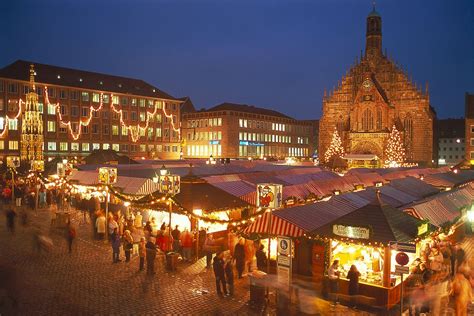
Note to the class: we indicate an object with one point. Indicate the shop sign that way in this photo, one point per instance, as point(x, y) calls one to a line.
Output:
point(403, 246)
point(269, 195)
point(402, 258)
point(13, 161)
point(422, 229)
point(402, 269)
point(283, 274)
point(284, 261)
point(169, 184)
point(247, 143)
point(284, 246)
point(37, 165)
point(284, 253)
point(107, 175)
point(351, 231)
point(214, 142)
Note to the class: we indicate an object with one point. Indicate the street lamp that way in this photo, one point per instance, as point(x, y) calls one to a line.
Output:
point(107, 176)
point(163, 171)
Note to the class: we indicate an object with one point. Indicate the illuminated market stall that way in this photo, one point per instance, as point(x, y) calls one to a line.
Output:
point(363, 238)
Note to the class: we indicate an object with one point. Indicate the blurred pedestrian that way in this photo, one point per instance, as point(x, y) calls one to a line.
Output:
point(150, 256)
point(142, 252)
point(100, 225)
point(186, 244)
point(353, 276)
point(219, 273)
point(148, 229)
point(127, 244)
point(239, 255)
point(229, 274)
point(462, 293)
point(261, 258)
point(11, 214)
point(334, 274)
point(176, 234)
point(112, 226)
point(116, 243)
point(70, 235)
point(208, 247)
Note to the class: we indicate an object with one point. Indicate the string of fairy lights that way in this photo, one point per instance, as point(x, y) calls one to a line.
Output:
point(135, 131)
point(335, 150)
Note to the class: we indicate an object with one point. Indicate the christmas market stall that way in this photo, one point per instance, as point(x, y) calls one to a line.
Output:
point(363, 238)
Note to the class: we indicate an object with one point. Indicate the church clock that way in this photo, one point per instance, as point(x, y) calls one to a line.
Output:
point(367, 84)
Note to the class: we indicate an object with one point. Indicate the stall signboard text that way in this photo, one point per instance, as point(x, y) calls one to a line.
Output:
point(107, 175)
point(13, 161)
point(284, 252)
point(269, 195)
point(37, 165)
point(402, 269)
point(403, 246)
point(351, 231)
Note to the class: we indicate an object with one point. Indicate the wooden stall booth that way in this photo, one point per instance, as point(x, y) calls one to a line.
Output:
point(362, 238)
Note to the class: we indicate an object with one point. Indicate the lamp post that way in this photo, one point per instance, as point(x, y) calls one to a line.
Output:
point(168, 185)
point(13, 162)
point(107, 176)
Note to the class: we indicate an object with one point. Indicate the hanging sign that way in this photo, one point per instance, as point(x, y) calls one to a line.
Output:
point(422, 229)
point(13, 161)
point(60, 169)
point(284, 261)
point(403, 246)
point(351, 231)
point(401, 269)
point(107, 175)
point(269, 195)
point(169, 184)
point(37, 165)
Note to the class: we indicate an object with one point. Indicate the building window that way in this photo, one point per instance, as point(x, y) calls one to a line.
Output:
point(63, 109)
point(116, 147)
point(142, 116)
point(124, 115)
point(105, 98)
point(367, 120)
point(51, 146)
point(115, 99)
point(141, 103)
point(134, 116)
point(158, 104)
point(13, 88)
point(95, 128)
point(133, 102)
point(95, 146)
point(74, 146)
point(51, 126)
point(85, 96)
point(95, 97)
point(2, 145)
point(52, 92)
point(74, 111)
point(13, 125)
point(124, 147)
point(62, 130)
point(142, 148)
point(62, 94)
point(13, 145)
point(85, 146)
point(105, 115)
point(63, 146)
point(26, 89)
point(105, 129)
point(158, 132)
point(84, 112)
point(115, 130)
point(105, 146)
point(150, 103)
point(124, 131)
point(73, 95)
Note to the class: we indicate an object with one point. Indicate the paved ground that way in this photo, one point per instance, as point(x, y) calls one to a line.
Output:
point(86, 282)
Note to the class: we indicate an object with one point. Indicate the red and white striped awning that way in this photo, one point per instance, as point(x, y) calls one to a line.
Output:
point(279, 227)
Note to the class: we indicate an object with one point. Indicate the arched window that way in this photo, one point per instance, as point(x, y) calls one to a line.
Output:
point(340, 124)
point(367, 120)
point(379, 119)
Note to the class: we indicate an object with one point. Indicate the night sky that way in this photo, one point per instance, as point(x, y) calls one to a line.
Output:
point(278, 54)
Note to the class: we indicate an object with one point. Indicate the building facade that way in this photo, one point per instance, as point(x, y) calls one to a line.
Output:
point(469, 127)
point(451, 141)
point(373, 96)
point(84, 111)
point(241, 131)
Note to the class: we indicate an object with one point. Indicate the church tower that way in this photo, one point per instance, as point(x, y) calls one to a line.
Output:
point(32, 125)
point(373, 37)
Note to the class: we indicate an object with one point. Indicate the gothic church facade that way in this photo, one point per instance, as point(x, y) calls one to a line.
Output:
point(373, 96)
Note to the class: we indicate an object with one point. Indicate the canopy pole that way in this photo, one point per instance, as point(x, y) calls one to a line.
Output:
point(387, 263)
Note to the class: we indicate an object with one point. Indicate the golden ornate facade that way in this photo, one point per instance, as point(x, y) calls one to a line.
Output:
point(374, 95)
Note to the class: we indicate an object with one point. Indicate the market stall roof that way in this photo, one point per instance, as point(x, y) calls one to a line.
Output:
point(102, 156)
point(383, 222)
point(204, 196)
point(414, 186)
point(279, 226)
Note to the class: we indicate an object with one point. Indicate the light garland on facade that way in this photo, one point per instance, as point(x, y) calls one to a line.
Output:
point(134, 130)
point(20, 101)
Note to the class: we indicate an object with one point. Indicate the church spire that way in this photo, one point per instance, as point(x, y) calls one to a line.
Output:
point(32, 78)
point(373, 38)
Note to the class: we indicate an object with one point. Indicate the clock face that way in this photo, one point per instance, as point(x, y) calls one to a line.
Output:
point(367, 84)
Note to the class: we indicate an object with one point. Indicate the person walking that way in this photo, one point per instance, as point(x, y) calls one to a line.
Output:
point(116, 243)
point(150, 257)
point(112, 225)
point(334, 274)
point(176, 234)
point(219, 273)
point(208, 248)
point(229, 275)
point(11, 214)
point(70, 235)
point(127, 244)
point(353, 276)
point(186, 244)
point(142, 253)
point(100, 226)
point(462, 292)
point(261, 258)
point(239, 256)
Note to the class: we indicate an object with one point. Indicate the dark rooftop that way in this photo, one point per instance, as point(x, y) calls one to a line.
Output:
point(451, 128)
point(48, 74)
point(248, 109)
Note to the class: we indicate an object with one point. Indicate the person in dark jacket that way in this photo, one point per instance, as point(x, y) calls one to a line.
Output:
point(239, 255)
point(261, 258)
point(353, 276)
point(150, 256)
point(116, 243)
point(11, 214)
point(229, 275)
point(219, 273)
